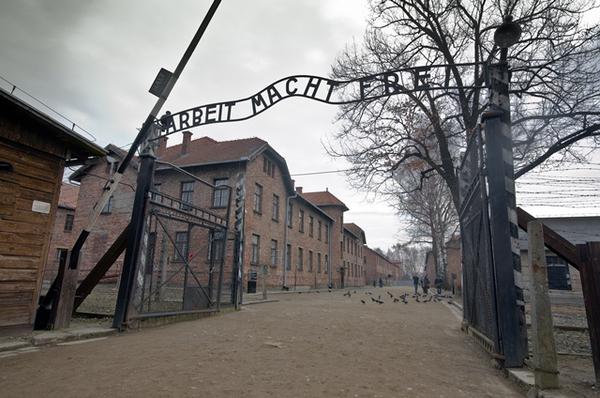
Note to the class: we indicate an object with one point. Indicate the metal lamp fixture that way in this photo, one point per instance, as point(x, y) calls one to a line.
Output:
point(508, 33)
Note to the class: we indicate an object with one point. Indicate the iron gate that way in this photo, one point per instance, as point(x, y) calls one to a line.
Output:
point(492, 295)
point(479, 285)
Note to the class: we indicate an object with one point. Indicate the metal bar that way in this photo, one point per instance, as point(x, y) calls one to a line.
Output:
point(136, 230)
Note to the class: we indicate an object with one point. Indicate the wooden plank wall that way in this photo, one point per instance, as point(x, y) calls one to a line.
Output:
point(24, 234)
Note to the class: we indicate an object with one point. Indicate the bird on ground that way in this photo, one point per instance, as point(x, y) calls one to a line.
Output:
point(363, 301)
point(373, 300)
point(354, 292)
point(417, 299)
point(390, 294)
point(429, 299)
point(396, 300)
point(329, 290)
point(347, 294)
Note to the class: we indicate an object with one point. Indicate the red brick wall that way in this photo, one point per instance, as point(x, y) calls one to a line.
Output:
point(305, 276)
point(336, 261)
point(353, 260)
point(454, 263)
point(60, 239)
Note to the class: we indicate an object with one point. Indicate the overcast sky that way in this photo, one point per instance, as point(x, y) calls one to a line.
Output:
point(94, 61)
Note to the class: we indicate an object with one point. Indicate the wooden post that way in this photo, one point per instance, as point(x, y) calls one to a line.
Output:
point(67, 284)
point(544, 348)
point(589, 269)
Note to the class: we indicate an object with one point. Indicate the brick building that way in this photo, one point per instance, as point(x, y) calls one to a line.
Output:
point(352, 255)
point(297, 237)
point(379, 266)
point(63, 235)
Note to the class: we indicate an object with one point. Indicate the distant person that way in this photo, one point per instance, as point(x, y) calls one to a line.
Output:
point(416, 283)
point(425, 284)
point(374, 283)
point(438, 284)
point(380, 282)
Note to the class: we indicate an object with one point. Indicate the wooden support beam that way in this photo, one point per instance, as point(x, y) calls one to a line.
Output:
point(590, 284)
point(554, 241)
point(101, 268)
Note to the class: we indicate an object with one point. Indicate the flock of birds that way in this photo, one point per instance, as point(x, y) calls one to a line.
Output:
point(419, 298)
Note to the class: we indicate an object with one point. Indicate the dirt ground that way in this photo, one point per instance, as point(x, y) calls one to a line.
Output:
point(305, 345)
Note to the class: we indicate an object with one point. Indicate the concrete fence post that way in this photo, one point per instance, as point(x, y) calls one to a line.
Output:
point(544, 349)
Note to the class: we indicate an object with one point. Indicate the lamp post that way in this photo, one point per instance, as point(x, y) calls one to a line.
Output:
point(512, 328)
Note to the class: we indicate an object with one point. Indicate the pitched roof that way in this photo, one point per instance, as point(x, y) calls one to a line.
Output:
point(324, 198)
point(314, 206)
point(111, 150)
point(205, 150)
point(68, 196)
point(80, 148)
point(356, 231)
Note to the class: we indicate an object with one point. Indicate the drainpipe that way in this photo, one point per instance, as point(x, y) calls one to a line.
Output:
point(329, 238)
point(285, 237)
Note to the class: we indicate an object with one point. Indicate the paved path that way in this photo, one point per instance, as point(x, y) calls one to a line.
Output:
point(305, 345)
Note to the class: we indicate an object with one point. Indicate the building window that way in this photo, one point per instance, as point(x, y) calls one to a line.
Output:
point(181, 246)
point(221, 192)
point(255, 249)
point(156, 189)
point(326, 268)
point(268, 167)
point(273, 252)
point(311, 226)
point(258, 191)
point(275, 215)
point(310, 261)
point(319, 225)
point(216, 245)
point(300, 264)
point(326, 233)
point(186, 194)
point(108, 207)
point(301, 220)
point(290, 215)
point(288, 257)
point(319, 263)
point(69, 222)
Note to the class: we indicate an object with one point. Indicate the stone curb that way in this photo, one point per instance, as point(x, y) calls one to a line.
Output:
point(260, 302)
point(55, 337)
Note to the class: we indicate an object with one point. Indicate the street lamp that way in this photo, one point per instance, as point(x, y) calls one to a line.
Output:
point(506, 35)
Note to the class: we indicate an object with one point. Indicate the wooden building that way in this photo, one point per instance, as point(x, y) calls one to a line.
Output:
point(34, 150)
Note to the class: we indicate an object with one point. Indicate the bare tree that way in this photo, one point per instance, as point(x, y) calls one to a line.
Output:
point(555, 81)
point(412, 257)
point(431, 215)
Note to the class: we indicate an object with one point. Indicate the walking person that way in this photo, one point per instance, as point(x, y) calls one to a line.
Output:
point(425, 284)
point(416, 283)
point(438, 284)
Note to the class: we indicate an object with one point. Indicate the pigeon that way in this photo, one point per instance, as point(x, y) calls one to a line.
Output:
point(354, 292)
point(417, 299)
point(396, 300)
point(347, 294)
point(390, 294)
point(363, 301)
point(329, 290)
point(372, 299)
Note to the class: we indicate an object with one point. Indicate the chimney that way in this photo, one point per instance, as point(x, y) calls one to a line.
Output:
point(162, 146)
point(185, 144)
point(299, 190)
